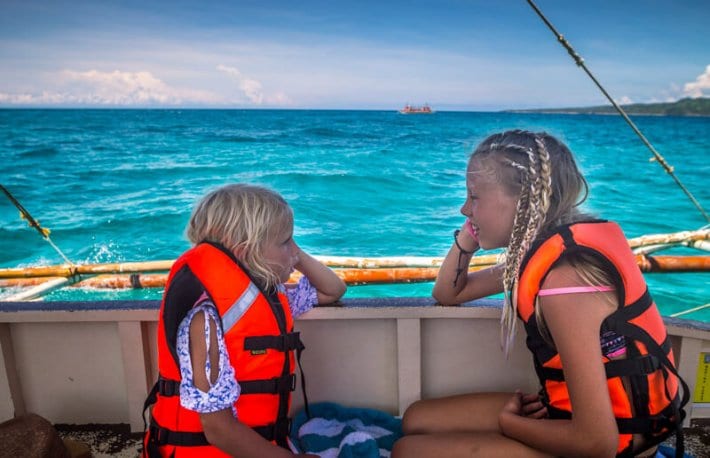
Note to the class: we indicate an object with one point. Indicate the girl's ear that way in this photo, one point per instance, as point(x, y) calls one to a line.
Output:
point(239, 251)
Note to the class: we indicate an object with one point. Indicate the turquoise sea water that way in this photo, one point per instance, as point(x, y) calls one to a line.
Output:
point(119, 185)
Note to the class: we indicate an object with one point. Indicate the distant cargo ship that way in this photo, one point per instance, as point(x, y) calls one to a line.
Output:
point(411, 109)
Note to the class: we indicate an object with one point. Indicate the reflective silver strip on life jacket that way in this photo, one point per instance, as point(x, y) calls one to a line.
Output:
point(236, 310)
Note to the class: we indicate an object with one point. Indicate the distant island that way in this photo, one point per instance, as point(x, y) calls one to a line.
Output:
point(683, 107)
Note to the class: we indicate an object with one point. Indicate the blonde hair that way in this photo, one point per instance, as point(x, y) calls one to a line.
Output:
point(541, 171)
point(242, 218)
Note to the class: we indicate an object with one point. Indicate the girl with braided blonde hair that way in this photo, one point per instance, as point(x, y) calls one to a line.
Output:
point(573, 281)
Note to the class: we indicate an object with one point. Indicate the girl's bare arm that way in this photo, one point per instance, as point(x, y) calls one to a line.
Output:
point(468, 286)
point(329, 286)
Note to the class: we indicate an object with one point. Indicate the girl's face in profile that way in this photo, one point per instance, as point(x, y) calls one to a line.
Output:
point(281, 252)
point(489, 206)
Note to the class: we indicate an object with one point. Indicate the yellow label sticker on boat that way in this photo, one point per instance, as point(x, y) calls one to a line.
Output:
point(702, 382)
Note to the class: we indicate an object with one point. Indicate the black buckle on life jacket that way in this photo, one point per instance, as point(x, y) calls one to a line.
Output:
point(282, 342)
point(283, 384)
point(292, 383)
point(167, 387)
point(640, 365)
point(163, 436)
point(650, 364)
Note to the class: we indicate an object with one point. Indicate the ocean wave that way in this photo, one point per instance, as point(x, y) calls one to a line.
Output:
point(327, 132)
point(103, 148)
point(155, 129)
point(17, 245)
point(40, 152)
point(234, 139)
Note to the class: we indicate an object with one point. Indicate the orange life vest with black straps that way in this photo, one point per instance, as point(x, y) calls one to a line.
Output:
point(260, 342)
point(655, 408)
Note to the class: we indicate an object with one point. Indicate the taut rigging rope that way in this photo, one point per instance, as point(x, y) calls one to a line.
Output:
point(657, 156)
point(44, 232)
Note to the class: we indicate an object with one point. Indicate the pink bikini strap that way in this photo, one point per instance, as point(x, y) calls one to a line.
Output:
point(574, 289)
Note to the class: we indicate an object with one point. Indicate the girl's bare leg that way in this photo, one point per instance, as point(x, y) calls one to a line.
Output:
point(460, 445)
point(467, 412)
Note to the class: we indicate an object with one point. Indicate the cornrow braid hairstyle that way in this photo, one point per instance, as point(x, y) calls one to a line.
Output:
point(512, 260)
point(541, 171)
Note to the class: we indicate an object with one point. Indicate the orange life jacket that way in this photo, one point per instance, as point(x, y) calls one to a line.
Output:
point(259, 337)
point(654, 408)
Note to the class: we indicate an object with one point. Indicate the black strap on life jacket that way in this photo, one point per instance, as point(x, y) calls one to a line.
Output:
point(289, 342)
point(642, 365)
point(274, 431)
point(151, 399)
point(274, 385)
point(282, 415)
point(164, 436)
point(285, 342)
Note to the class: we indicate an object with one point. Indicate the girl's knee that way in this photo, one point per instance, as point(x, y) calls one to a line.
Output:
point(412, 418)
point(403, 448)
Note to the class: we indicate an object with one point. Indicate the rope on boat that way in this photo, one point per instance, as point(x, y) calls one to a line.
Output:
point(656, 155)
point(43, 231)
point(694, 309)
point(71, 277)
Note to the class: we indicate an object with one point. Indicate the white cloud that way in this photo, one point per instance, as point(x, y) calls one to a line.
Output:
point(250, 87)
point(114, 88)
point(700, 87)
point(625, 100)
point(280, 99)
point(141, 88)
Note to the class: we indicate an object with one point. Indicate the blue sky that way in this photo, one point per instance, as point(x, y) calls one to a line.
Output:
point(453, 54)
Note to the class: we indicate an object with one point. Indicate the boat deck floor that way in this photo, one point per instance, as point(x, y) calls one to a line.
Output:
point(106, 440)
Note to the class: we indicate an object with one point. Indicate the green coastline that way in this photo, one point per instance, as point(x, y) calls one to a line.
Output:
point(683, 107)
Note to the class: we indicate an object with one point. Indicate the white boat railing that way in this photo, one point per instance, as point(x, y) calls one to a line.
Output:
point(94, 362)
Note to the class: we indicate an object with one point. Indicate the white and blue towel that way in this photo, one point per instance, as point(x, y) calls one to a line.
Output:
point(335, 431)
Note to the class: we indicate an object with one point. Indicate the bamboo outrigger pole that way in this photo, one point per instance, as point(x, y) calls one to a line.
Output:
point(675, 238)
point(656, 155)
point(643, 245)
point(352, 276)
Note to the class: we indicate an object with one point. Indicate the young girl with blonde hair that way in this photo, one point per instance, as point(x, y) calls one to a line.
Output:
point(608, 382)
point(226, 343)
